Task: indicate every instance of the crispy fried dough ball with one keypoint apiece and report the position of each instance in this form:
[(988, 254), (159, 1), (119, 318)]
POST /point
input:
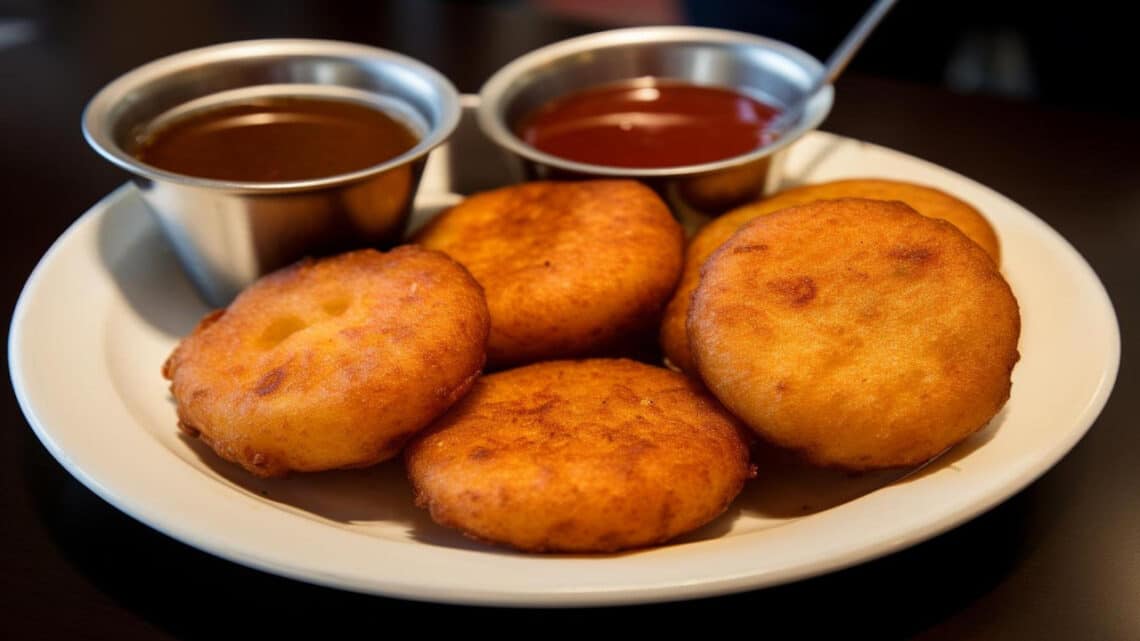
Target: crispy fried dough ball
[(331, 363), (580, 456), (569, 269), (926, 200), (856, 332)]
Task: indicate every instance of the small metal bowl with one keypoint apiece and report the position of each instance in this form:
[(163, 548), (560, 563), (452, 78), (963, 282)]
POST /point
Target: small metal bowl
[(770, 71), (228, 233)]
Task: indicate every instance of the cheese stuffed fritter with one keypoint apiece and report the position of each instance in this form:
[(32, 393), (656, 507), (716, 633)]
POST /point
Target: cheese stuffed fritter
[(580, 456), (569, 269), (331, 363), (926, 200), (856, 332)]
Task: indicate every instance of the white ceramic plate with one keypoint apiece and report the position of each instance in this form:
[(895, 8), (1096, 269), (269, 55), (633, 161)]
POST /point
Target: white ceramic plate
[(107, 303)]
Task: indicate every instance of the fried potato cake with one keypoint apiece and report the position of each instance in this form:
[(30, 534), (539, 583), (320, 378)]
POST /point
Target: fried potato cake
[(331, 363), (569, 269), (926, 200), (855, 332), (580, 456)]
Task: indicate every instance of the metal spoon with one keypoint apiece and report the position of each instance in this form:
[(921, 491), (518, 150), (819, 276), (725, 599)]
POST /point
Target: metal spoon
[(834, 66)]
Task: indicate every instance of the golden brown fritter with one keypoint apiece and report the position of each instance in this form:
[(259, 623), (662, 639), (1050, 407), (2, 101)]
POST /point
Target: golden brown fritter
[(569, 269), (856, 332), (580, 456), (331, 363), (926, 200)]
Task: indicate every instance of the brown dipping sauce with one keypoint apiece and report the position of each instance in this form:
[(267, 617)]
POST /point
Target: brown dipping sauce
[(661, 124), (277, 139)]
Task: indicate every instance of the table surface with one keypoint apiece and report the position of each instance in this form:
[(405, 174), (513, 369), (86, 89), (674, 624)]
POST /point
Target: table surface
[(1060, 560)]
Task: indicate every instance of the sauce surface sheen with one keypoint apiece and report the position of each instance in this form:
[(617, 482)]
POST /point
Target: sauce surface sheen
[(277, 139), (663, 124)]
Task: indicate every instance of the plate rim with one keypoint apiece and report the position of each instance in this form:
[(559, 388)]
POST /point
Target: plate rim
[(571, 597)]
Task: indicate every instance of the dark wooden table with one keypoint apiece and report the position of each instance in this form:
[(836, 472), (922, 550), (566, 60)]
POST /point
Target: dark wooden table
[(1060, 560)]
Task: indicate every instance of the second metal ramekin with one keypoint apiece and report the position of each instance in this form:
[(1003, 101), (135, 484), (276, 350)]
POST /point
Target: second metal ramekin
[(772, 71)]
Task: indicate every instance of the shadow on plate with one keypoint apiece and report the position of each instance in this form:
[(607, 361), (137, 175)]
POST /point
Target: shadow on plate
[(372, 495), (381, 494), (949, 459), (785, 489), (145, 269)]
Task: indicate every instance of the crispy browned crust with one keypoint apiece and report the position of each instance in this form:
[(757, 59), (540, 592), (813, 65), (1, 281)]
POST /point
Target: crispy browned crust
[(856, 332), (569, 269), (928, 201), (580, 456), (331, 363)]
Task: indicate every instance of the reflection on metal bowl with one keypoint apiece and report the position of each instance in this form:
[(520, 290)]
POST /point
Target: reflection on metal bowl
[(770, 71), (228, 233)]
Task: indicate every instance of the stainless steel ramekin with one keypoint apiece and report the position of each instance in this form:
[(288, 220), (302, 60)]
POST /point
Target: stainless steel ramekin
[(771, 71), (228, 233)]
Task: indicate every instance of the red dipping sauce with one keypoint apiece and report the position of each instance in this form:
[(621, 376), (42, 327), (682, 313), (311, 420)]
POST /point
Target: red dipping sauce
[(649, 125)]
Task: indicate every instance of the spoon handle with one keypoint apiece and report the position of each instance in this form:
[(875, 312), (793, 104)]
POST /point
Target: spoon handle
[(836, 63), (854, 40)]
